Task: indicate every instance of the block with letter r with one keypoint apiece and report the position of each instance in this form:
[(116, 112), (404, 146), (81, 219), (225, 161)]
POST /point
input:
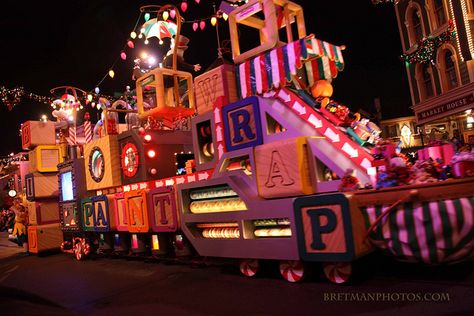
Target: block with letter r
[(324, 228), (242, 124)]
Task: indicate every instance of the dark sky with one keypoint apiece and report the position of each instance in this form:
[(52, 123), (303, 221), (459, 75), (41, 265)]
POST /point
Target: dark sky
[(46, 44)]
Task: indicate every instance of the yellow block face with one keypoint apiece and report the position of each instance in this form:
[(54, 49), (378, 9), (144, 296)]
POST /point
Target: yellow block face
[(283, 169), (102, 163), (45, 158)]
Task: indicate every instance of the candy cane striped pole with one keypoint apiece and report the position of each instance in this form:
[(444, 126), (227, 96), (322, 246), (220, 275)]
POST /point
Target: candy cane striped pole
[(87, 128), (71, 140)]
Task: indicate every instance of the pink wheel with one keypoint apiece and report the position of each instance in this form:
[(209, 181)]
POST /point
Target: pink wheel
[(249, 267), (292, 270), (79, 251), (338, 272)]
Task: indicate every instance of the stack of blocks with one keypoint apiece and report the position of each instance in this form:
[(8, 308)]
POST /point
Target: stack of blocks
[(42, 185)]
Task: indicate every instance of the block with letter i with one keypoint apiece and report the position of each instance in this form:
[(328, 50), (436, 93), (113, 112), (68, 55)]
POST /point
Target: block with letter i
[(283, 168)]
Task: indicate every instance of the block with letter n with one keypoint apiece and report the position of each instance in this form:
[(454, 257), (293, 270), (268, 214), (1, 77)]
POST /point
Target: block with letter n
[(242, 124), (327, 230), (137, 211)]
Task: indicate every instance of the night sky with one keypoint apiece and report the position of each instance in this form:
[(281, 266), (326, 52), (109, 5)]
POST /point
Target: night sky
[(46, 44)]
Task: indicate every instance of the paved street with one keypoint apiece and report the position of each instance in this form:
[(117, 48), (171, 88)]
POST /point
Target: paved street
[(59, 285)]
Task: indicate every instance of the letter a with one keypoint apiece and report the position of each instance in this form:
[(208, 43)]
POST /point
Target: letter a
[(278, 170)]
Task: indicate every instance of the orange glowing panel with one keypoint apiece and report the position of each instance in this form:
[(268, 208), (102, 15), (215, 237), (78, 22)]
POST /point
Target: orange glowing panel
[(137, 211)]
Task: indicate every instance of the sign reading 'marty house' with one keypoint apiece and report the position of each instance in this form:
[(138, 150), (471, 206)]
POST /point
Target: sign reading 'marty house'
[(446, 109)]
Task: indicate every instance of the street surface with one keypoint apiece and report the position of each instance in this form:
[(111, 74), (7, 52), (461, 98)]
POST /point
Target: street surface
[(57, 284)]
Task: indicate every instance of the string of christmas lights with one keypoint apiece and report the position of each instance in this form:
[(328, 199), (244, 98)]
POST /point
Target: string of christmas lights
[(375, 2), (426, 48)]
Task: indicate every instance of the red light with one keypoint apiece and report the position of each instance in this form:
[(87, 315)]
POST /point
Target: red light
[(151, 153), (147, 138)]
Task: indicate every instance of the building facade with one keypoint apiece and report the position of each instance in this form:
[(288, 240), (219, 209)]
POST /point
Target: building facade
[(441, 82)]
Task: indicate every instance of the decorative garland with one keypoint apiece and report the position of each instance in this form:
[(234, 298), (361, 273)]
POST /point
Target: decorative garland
[(375, 2), (426, 48)]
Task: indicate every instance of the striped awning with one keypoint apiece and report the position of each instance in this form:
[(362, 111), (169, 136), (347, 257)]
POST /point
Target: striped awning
[(429, 232), (276, 67)]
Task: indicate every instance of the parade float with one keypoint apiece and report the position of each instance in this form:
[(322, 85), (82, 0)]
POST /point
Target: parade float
[(252, 161)]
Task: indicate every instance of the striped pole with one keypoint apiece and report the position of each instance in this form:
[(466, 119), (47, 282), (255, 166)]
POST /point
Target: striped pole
[(71, 140), (87, 128)]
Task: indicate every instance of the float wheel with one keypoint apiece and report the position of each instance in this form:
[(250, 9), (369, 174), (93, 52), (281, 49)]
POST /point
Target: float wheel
[(292, 270), (249, 267), (338, 272), (79, 251)]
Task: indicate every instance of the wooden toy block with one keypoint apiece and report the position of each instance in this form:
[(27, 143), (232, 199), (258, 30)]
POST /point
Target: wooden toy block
[(151, 95), (87, 214), (103, 213), (72, 181), (137, 211), (277, 14), (34, 133), (162, 207), (44, 237), (204, 141), (70, 217), (120, 209), (139, 166), (283, 169), (40, 185), (242, 124), (330, 228), (43, 212), (215, 83), (45, 158), (102, 163)]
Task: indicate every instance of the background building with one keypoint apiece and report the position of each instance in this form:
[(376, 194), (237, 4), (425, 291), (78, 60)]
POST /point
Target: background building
[(437, 39)]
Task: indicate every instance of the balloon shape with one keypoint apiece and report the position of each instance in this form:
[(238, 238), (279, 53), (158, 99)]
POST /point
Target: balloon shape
[(225, 16), (97, 90), (184, 6), (111, 73), (202, 25), (165, 15), (133, 35), (130, 44), (123, 55), (197, 1), (213, 21), (195, 26), (172, 13), (147, 16)]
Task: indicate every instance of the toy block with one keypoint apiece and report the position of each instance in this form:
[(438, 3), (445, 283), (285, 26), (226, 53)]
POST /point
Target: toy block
[(242, 124), (72, 181), (283, 168), (40, 185), (162, 207), (152, 99), (204, 141), (44, 238), (70, 218), (120, 209), (34, 133), (330, 228), (103, 213), (43, 212), (137, 211), (277, 14), (87, 214), (102, 163), (45, 158), (215, 83), (147, 157)]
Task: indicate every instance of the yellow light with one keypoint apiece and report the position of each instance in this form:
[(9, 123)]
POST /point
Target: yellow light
[(133, 35), (111, 73), (156, 244), (468, 29), (142, 30), (457, 35), (213, 21), (165, 15), (44, 118), (140, 35), (146, 42), (143, 55), (89, 97), (225, 16)]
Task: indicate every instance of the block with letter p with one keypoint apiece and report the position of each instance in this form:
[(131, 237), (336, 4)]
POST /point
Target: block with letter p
[(329, 228), (242, 124)]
